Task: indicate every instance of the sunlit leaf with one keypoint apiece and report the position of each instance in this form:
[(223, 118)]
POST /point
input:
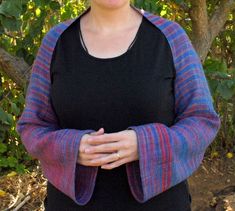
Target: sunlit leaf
[(12, 174), (2, 193)]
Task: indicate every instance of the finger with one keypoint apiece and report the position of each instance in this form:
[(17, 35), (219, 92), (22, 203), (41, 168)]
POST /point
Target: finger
[(114, 164), (109, 147), (104, 160), (104, 138), (86, 156), (85, 163), (99, 132)]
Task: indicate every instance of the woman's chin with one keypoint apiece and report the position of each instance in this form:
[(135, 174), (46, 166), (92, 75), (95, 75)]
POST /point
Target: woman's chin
[(111, 4)]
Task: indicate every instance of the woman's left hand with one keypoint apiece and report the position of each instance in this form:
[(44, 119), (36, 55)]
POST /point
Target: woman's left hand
[(124, 143)]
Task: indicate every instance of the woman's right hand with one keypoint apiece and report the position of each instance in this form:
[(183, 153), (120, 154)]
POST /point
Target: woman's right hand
[(85, 158)]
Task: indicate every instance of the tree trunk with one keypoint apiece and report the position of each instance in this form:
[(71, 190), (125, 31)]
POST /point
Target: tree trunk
[(200, 35), (204, 30)]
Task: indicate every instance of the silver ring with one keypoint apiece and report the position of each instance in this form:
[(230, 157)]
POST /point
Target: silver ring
[(118, 156)]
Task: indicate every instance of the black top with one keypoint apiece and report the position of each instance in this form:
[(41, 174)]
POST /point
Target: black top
[(134, 88)]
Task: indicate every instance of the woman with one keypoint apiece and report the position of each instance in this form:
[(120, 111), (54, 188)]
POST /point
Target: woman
[(118, 111)]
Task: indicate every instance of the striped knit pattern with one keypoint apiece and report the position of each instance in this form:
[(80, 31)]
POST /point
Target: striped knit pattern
[(167, 155)]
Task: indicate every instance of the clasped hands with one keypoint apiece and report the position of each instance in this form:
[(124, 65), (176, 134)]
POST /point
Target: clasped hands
[(100, 149)]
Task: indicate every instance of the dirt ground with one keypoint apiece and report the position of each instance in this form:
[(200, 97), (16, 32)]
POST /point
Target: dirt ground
[(212, 188)]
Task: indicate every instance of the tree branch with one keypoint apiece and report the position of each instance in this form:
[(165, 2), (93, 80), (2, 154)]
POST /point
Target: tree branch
[(220, 16), (15, 68)]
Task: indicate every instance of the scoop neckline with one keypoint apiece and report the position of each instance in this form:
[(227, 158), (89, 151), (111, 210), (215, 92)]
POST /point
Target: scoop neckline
[(127, 52)]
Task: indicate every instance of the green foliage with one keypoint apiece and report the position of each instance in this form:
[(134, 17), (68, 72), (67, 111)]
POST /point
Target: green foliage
[(151, 6), (9, 14), (221, 80), (13, 155), (23, 23), (220, 71)]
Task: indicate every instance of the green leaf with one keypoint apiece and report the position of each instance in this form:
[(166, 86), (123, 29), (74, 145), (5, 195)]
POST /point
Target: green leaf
[(216, 69), (3, 148), (21, 98), (225, 91), (213, 84), (27, 157), (6, 118), (11, 8), (222, 75), (40, 3), (3, 162), (3, 115), (12, 161), (223, 67), (230, 84), (15, 110), (54, 5), (20, 168), (215, 65), (10, 23)]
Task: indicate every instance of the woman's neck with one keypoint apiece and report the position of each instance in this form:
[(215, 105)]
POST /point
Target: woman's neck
[(108, 19)]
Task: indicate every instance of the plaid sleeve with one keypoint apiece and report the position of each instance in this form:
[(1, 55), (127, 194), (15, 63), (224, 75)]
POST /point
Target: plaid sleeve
[(55, 148), (169, 155)]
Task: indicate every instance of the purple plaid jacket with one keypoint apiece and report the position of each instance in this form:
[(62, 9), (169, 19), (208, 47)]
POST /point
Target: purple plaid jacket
[(167, 155)]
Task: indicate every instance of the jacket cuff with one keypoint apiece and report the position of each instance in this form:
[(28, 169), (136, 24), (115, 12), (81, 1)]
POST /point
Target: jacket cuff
[(73, 179)]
